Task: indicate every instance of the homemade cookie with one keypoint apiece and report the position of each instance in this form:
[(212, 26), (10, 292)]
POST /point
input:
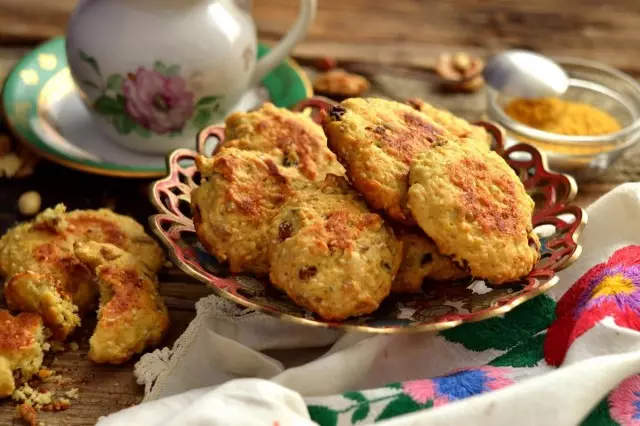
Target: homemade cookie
[(476, 210), (459, 127), (44, 247), (421, 261), (330, 254), (132, 315), (21, 340), (240, 194), (376, 140), (300, 141), (32, 292)]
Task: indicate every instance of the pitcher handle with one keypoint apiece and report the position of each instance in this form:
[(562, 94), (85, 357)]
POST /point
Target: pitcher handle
[(288, 42)]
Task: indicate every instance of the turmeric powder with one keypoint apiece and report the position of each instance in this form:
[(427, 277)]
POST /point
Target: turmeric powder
[(556, 115)]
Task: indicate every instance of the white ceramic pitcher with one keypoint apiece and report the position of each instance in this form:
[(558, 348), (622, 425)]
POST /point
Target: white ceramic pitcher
[(154, 72)]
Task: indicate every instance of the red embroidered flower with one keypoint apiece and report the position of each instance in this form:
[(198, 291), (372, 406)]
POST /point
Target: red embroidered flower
[(610, 289)]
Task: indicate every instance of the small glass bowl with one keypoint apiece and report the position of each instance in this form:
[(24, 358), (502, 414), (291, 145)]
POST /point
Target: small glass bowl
[(590, 83)]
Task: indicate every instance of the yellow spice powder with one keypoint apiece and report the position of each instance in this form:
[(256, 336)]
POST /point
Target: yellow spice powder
[(556, 115)]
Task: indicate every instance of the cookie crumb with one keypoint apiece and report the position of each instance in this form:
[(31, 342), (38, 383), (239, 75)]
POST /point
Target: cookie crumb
[(46, 346), (61, 405), (72, 393), (44, 373), (74, 346), (29, 395), (56, 346)]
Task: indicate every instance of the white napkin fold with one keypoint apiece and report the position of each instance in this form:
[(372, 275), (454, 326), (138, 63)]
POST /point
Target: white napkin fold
[(222, 344)]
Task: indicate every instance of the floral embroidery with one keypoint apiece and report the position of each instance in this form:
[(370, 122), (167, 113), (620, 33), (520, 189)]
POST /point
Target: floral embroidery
[(401, 398), (420, 391), (458, 385), (150, 100), (624, 402), (608, 289)]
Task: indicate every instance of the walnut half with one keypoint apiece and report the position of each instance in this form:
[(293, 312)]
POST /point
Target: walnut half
[(460, 72)]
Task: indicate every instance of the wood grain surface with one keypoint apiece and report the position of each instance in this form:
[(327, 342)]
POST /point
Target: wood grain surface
[(394, 43), (409, 32)]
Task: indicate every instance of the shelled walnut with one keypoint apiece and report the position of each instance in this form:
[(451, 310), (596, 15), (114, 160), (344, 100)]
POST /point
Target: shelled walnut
[(460, 72)]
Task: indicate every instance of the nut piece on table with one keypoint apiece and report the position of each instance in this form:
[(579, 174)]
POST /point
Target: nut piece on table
[(29, 203), (29, 162), (460, 72), (10, 164), (15, 160), (341, 84), (27, 413)]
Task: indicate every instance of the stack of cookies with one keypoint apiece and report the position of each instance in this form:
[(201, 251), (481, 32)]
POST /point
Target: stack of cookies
[(420, 198)]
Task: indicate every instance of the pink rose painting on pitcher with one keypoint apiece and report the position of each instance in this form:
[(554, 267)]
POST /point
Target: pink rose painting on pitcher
[(157, 102), (150, 101)]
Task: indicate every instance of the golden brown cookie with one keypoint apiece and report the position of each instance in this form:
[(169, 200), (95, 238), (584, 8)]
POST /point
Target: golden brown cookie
[(44, 246), (476, 210), (298, 139), (41, 293), (422, 261), (240, 194), (21, 340), (132, 315), (330, 254), (376, 140), (459, 127)]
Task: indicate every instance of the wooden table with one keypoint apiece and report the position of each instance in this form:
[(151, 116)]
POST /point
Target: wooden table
[(394, 44)]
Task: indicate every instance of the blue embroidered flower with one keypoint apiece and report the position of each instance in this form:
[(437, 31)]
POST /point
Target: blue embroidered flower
[(462, 384)]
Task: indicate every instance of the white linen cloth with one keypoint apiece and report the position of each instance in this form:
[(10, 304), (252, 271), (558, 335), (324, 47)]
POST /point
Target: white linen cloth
[(216, 375)]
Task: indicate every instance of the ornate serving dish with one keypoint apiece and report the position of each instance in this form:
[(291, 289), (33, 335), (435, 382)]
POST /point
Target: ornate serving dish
[(439, 306)]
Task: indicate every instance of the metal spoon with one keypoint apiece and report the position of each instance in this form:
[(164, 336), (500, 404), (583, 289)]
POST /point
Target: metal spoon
[(525, 74)]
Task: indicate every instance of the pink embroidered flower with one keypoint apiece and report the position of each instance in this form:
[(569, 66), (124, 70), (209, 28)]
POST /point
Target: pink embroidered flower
[(157, 102), (457, 385), (420, 391), (624, 402)]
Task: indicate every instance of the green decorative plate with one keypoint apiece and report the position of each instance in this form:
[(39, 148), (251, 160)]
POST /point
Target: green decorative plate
[(44, 110)]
